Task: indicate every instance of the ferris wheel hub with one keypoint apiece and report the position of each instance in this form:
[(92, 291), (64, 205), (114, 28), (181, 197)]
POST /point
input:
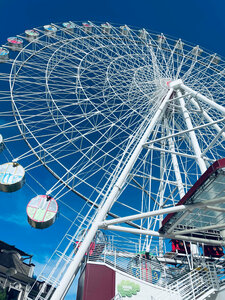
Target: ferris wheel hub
[(174, 84), (163, 82)]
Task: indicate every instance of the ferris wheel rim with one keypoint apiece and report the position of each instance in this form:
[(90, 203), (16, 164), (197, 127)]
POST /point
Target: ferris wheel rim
[(59, 44)]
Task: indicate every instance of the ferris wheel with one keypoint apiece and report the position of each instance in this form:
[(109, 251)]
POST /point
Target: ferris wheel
[(126, 119)]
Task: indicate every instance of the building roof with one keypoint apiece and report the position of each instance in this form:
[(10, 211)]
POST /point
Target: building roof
[(5, 246), (209, 186)]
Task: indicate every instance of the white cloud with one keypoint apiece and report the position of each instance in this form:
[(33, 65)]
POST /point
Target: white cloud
[(15, 219)]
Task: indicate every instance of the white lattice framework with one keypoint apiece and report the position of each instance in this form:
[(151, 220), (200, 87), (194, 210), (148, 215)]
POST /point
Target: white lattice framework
[(126, 119)]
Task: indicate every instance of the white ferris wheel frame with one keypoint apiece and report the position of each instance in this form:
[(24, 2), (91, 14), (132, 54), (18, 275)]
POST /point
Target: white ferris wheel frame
[(182, 91)]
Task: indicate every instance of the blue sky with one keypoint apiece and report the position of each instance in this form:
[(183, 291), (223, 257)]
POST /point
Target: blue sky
[(196, 21)]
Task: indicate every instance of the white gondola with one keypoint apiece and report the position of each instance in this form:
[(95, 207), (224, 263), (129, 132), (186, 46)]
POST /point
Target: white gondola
[(197, 51), (87, 27), (161, 39), (215, 59), (179, 45), (15, 43), (69, 26), (4, 54), (106, 28), (42, 211), (31, 34), (50, 29), (142, 33), (125, 30), (1, 143), (12, 177)]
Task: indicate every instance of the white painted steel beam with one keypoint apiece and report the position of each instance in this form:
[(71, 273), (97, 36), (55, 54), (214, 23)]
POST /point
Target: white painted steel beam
[(169, 236), (203, 228), (206, 116), (192, 134), (197, 240), (161, 187), (185, 131), (175, 163), (134, 230), (169, 151), (68, 277), (140, 216), (215, 208), (195, 94), (163, 211), (210, 145)]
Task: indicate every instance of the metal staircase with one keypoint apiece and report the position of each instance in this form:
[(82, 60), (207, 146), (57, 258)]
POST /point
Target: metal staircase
[(197, 284)]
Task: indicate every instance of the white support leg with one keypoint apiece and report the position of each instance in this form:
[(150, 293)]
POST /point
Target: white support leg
[(67, 279), (207, 117), (161, 187), (220, 131), (175, 163), (211, 103), (193, 138)]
